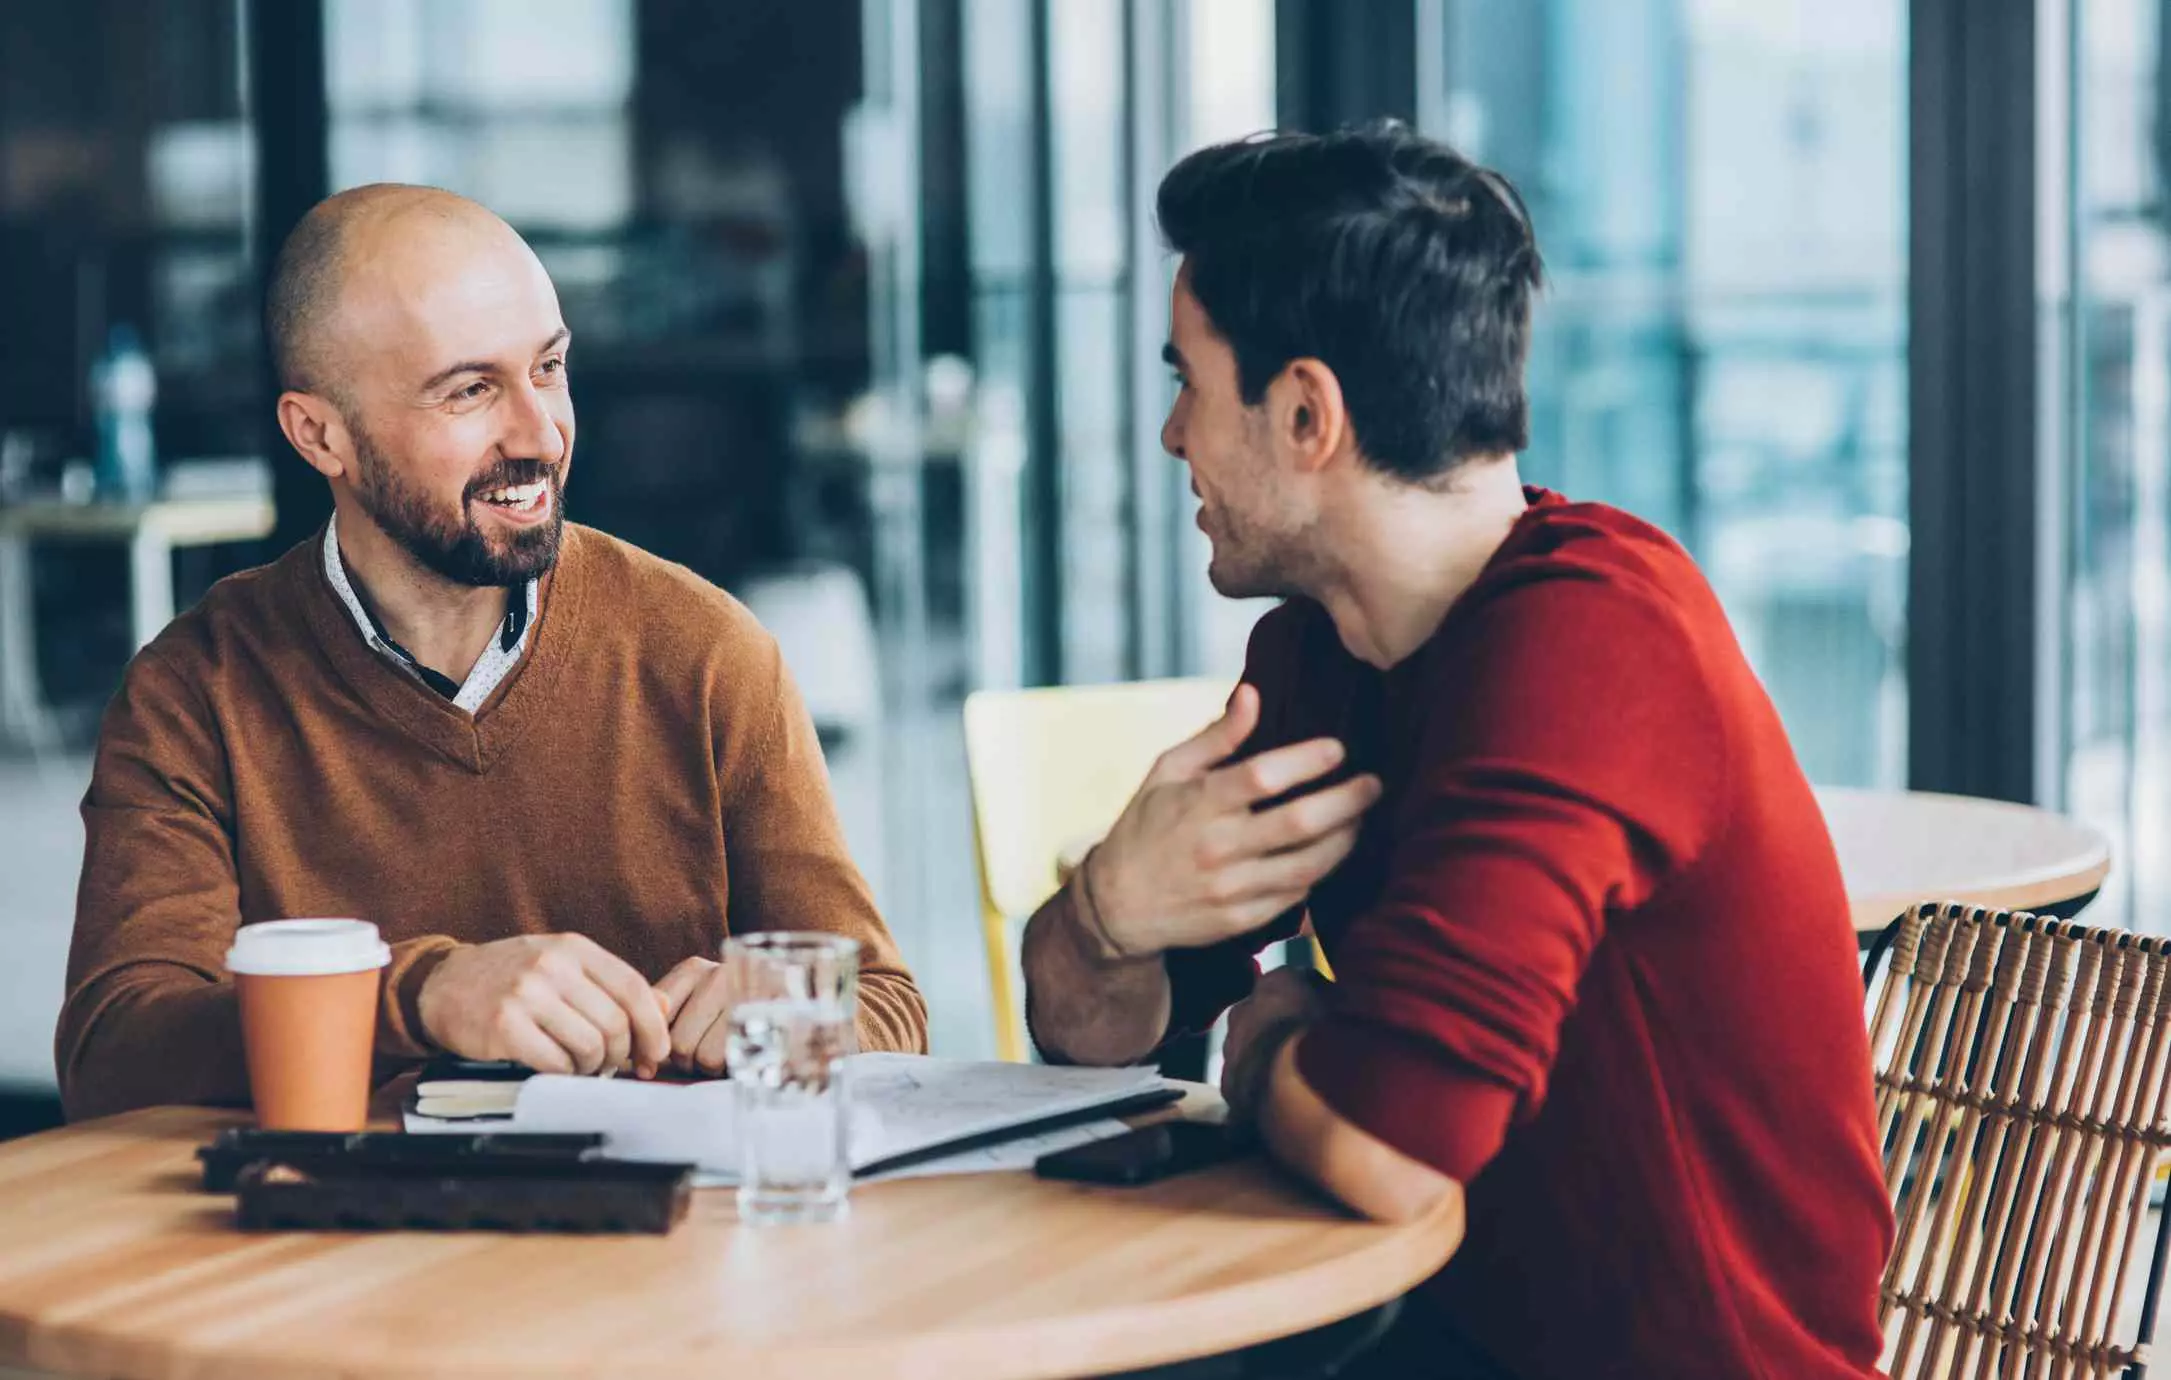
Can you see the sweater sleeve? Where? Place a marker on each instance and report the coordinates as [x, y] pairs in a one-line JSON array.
[[1569, 766], [790, 868], [150, 1015]]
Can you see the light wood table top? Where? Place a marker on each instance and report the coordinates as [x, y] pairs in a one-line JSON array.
[[115, 1264], [1900, 848]]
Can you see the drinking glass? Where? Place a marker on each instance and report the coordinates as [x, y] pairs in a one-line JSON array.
[[793, 998]]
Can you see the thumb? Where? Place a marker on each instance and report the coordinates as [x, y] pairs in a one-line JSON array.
[[1215, 743]]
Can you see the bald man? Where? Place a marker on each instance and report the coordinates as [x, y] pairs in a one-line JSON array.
[[554, 770]]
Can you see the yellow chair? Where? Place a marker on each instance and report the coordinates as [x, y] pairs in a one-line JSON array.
[[1050, 771]]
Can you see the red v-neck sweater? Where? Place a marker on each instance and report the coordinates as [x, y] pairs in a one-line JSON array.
[[1594, 961], [646, 776]]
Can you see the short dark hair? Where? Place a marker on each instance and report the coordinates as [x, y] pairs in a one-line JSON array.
[[1401, 265]]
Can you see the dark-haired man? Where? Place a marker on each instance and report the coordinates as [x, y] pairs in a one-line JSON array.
[[553, 769], [1595, 980]]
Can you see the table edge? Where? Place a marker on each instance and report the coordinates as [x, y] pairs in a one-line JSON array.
[[1210, 1321]]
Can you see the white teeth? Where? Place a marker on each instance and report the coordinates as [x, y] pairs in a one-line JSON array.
[[517, 496]]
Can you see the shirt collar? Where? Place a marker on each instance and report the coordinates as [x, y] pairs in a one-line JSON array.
[[488, 670]]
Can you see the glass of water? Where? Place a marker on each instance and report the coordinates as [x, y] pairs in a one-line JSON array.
[[793, 999]]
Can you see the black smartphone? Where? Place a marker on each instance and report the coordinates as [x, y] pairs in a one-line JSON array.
[[1142, 1156], [447, 1068]]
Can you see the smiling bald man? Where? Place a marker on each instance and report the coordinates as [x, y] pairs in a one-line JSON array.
[[554, 770]]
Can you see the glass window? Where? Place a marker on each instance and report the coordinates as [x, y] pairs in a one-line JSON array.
[[1719, 188], [2113, 109], [127, 171], [1231, 94]]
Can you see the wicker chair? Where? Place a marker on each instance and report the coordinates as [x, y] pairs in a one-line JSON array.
[[2021, 1094]]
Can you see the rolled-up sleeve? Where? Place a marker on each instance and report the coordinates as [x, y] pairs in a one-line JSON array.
[[1569, 765]]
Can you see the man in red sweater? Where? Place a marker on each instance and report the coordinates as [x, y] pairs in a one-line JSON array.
[[1595, 994]]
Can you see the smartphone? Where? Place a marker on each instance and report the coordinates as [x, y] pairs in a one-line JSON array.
[[1142, 1156]]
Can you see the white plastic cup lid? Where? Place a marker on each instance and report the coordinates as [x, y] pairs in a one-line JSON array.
[[306, 948]]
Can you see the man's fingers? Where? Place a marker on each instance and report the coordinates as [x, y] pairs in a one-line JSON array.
[[584, 1045], [1282, 880], [1299, 822], [1301, 869], [1213, 744], [651, 1036], [524, 1042], [696, 1015], [1277, 772], [710, 1055], [1236, 1035], [601, 1010], [679, 983]]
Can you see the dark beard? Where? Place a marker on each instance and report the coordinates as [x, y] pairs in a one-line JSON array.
[[456, 548]]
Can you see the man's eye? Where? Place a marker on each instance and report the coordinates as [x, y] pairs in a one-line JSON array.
[[473, 390], [554, 365]]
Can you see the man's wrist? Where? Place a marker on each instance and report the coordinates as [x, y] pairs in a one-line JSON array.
[[414, 981], [1091, 921]]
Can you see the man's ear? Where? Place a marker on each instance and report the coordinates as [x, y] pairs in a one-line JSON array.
[[1308, 412], [317, 432]]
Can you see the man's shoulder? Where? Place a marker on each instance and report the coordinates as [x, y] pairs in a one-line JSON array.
[[1593, 553], [1600, 539], [252, 614], [664, 605]]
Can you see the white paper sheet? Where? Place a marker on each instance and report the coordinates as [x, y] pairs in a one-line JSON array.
[[901, 1103]]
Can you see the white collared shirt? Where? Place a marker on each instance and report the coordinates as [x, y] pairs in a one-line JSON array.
[[490, 669]]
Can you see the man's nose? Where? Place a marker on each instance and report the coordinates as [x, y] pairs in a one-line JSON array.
[[1172, 436], [535, 434]]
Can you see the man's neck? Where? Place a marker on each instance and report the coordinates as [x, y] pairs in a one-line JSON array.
[[443, 625], [1401, 555]]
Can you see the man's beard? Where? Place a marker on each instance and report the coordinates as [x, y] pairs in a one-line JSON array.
[[455, 547], [1254, 565]]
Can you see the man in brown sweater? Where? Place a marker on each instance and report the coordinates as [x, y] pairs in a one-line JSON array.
[[554, 770]]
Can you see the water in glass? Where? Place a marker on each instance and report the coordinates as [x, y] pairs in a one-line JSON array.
[[791, 1028]]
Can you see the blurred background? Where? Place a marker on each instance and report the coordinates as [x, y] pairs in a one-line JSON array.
[[1867, 301]]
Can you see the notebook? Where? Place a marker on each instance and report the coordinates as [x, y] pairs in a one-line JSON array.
[[907, 1110]]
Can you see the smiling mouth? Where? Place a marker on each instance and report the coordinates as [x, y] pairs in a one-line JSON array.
[[517, 499]]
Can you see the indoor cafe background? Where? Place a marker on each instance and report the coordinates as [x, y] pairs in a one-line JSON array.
[[868, 305]]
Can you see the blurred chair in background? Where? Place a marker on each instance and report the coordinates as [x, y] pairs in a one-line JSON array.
[[1050, 771]]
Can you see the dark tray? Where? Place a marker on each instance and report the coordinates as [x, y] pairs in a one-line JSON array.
[[225, 1157], [301, 1194]]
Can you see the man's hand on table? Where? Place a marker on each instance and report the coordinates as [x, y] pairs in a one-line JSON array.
[[1269, 1098], [558, 1003], [1193, 861], [1284, 1002], [699, 1002]]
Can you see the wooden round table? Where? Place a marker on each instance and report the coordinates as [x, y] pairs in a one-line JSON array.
[[1900, 848], [114, 1263]]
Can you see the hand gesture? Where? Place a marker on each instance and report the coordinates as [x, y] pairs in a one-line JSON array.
[[1193, 861]]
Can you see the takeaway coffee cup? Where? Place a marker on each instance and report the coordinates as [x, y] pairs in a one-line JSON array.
[[308, 992]]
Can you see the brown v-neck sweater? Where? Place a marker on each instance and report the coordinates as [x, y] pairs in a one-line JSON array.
[[647, 776]]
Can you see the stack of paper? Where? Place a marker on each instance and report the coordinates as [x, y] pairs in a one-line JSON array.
[[910, 1113], [465, 1099]]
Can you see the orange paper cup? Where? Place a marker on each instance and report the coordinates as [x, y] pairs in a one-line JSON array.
[[308, 992]]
